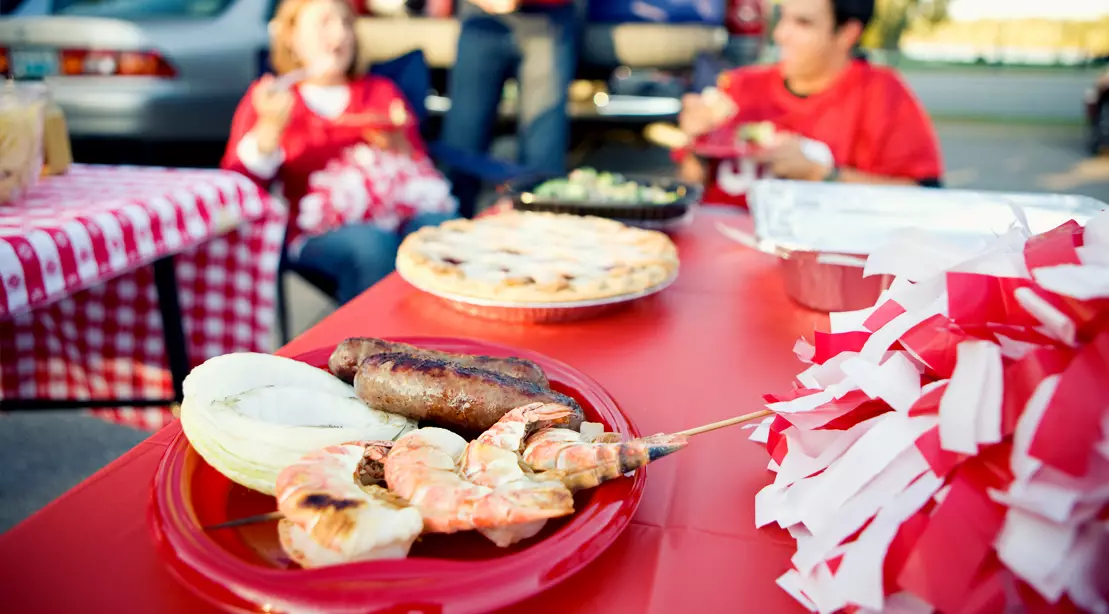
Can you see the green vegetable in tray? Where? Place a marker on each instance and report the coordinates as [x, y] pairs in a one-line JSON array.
[[589, 185]]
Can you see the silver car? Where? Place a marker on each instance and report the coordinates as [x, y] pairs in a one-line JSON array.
[[159, 70]]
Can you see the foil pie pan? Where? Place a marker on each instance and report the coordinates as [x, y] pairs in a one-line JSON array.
[[540, 313], [830, 282], [822, 233]]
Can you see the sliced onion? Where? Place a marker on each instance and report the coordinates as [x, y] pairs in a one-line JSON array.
[[251, 415]]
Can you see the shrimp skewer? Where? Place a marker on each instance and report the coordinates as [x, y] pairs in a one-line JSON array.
[[588, 462], [493, 460], [329, 518], [423, 468]]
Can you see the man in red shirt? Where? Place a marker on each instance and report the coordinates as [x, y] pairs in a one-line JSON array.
[[835, 116]]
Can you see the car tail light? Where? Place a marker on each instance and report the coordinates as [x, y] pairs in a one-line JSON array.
[[745, 17], [5, 66], [76, 62]]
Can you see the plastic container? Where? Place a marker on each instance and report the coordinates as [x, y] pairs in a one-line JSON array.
[[22, 117], [57, 150]]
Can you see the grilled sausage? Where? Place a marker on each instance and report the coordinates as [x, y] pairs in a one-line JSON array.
[[349, 354], [448, 394]]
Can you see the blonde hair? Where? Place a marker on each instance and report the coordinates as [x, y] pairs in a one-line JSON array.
[[282, 57]]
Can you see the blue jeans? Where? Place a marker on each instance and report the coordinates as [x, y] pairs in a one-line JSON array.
[[544, 60], [358, 256]]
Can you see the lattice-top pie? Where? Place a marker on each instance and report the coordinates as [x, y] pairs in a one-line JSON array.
[[536, 258]]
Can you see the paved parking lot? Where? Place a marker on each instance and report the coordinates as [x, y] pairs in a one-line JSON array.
[[44, 455]]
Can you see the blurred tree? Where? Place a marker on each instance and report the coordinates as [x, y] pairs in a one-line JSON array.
[[893, 17]]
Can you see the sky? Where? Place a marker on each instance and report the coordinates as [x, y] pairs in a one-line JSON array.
[[964, 10]]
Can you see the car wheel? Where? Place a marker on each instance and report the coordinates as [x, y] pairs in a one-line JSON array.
[[1099, 128]]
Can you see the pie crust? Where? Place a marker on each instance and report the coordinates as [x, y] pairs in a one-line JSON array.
[[534, 257]]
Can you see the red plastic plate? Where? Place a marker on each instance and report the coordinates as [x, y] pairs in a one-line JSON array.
[[722, 145], [244, 569]]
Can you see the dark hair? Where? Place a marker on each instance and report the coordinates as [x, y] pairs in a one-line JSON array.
[[861, 11]]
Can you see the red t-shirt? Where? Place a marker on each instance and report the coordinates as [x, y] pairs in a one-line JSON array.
[[311, 141], [868, 119]]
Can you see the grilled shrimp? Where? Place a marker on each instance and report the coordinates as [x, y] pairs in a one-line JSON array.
[[493, 460], [423, 468], [588, 462], [329, 518]]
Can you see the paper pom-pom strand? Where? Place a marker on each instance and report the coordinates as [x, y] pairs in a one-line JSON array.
[[948, 449]]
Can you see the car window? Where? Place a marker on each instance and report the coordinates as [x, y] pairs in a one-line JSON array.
[[137, 9]]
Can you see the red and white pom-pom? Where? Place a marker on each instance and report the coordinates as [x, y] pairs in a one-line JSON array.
[[368, 185], [948, 449]]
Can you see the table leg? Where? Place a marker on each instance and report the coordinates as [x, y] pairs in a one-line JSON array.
[[173, 331], [173, 326]]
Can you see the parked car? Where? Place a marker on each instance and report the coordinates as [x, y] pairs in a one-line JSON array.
[[156, 70], [1097, 112], [173, 70]]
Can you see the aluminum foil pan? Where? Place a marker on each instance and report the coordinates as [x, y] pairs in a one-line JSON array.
[[823, 231], [817, 280], [540, 313], [830, 282], [839, 218]]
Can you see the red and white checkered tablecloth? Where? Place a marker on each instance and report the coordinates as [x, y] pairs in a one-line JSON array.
[[79, 315]]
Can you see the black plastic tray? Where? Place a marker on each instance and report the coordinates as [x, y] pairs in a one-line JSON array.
[[520, 193]]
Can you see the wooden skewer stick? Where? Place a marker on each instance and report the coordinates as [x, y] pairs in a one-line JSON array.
[[723, 423], [248, 520]]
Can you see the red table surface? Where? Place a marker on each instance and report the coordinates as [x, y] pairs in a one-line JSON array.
[[703, 350]]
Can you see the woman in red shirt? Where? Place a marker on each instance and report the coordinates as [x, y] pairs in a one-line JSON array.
[[345, 149]]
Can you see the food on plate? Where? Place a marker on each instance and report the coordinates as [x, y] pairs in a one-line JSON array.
[[355, 484], [586, 462], [345, 359], [371, 470], [529, 258], [493, 460], [423, 468], [721, 106], [251, 415], [448, 394], [329, 518], [756, 133], [588, 185], [334, 510], [223, 376]]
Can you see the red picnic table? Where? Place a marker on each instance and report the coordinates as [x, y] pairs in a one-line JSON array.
[[705, 349]]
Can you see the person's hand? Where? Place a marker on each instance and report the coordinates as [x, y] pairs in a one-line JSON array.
[[696, 117], [692, 170], [389, 140], [272, 104], [497, 7], [785, 158]]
